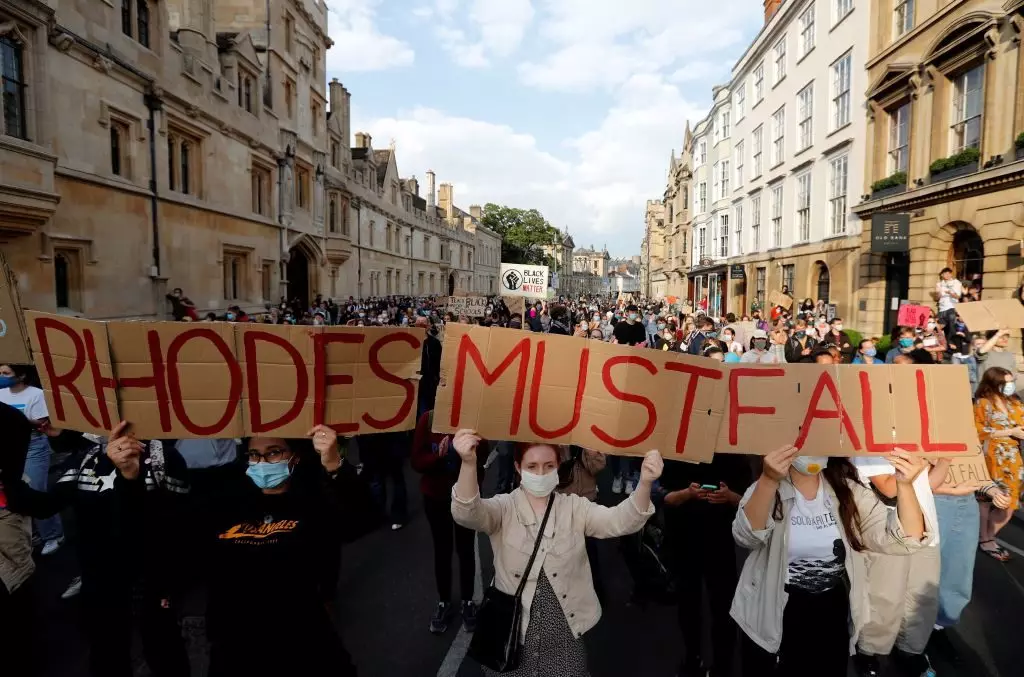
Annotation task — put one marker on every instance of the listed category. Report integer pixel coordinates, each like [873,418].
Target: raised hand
[907,467]
[325,441]
[776,463]
[124,451]
[465,443]
[652,466]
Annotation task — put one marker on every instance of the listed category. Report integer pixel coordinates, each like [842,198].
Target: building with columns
[559,254]
[148,146]
[945,147]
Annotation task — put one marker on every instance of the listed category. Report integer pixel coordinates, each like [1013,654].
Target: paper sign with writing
[777,298]
[516,304]
[913,316]
[512,385]
[969,471]
[471,306]
[986,315]
[14,347]
[521,279]
[213,379]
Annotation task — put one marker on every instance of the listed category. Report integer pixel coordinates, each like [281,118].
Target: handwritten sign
[969,470]
[471,306]
[913,316]
[524,280]
[510,385]
[986,315]
[777,298]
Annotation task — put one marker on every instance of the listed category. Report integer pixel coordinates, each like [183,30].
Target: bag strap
[536,547]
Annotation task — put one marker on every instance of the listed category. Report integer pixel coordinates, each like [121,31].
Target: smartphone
[709,487]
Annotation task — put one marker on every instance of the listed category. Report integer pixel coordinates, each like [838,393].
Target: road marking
[1018,551]
[460,645]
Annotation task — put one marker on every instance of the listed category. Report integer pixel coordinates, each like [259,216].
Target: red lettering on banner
[735,408]
[652,413]
[926,442]
[468,349]
[174,380]
[100,383]
[383,374]
[321,379]
[825,382]
[581,386]
[66,381]
[869,422]
[696,373]
[157,381]
[249,339]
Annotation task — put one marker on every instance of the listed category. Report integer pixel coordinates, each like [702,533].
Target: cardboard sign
[214,379]
[913,316]
[969,470]
[518,279]
[509,385]
[471,306]
[14,347]
[744,331]
[777,298]
[516,304]
[985,315]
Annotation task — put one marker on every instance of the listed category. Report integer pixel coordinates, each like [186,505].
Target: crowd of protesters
[836,545]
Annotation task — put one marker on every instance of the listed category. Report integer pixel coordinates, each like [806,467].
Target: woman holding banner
[808,522]
[559,603]
[275,553]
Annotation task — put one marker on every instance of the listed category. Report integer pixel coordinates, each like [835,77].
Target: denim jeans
[958,542]
[625,467]
[37,468]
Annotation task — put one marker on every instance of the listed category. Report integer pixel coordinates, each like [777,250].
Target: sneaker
[617,485]
[73,589]
[439,622]
[630,487]
[396,526]
[52,546]
[469,611]
[867,665]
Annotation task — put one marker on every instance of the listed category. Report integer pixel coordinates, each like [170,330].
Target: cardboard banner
[519,279]
[777,298]
[14,347]
[511,385]
[215,379]
[516,304]
[985,315]
[913,316]
[744,331]
[969,470]
[471,306]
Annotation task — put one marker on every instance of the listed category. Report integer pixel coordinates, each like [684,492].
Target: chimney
[476,211]
[363,140]
[431,189]
[770,7]
[446,199]
[337,95]
[413,185]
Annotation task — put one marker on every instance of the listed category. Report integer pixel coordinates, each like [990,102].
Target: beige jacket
[760,598]
[16,563]
[512,525]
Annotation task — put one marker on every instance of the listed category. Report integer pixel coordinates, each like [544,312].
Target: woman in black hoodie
[274,556]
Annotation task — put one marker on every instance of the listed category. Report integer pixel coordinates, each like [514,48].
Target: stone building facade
[670,234]
[148,146]
[559,254]
[654,248]
[943,79]
[590,270]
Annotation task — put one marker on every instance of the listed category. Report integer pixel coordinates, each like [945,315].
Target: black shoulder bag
[496,643]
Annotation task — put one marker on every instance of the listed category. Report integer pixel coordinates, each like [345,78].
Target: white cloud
[485,29]
[595,183]
[358,43]
[600,44]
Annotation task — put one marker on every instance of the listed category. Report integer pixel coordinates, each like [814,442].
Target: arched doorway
[451,284]
[824,286]
[966,256]
[298,276]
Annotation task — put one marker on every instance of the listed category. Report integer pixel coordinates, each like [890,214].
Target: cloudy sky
[568,106]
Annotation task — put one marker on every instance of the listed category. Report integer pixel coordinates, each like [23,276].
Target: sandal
[997,553]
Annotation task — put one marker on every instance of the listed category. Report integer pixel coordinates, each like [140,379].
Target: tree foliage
[523,233]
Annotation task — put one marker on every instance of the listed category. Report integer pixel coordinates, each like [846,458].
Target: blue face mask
[906,343]
[8,381]
[269,475]
[870,352]
[230,317]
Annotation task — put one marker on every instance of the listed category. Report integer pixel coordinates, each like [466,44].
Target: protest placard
[212,379]
[14,347]
[516,305]
[520,279]
[985,315]
[777,298]
[913,316]
[971,471]
[743,331]
[471,306]
[530,387]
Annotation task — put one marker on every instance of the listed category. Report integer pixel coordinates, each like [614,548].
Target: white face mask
[539,485]
[810,465]
[1009,389]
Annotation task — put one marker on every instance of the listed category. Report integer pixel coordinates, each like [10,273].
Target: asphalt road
[386,596]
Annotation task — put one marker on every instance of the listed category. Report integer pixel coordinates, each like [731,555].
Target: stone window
[738,152]
[235,263]
[737,217]
[119,144]
[968,105]
[779,59]
[184,160]
[776,215]
[899,138]
[426,249]
[267,280]
[902,17]
[289,33]
[758,143]
[758,83]
[289,98]
[841,73]
[807,31]
[419,284]
[335,154]
[245,87]
[842,8]
[761,279]
[261,190]
[314,115]
[408,245]
[387,237]
[135,20]
[332,214]
[838,174]
[372,228]
[803,207]
[67,279]
[302,188]
[13,80]
[805,116]
[788,274]
[126,17]
[779,136]
[755,222]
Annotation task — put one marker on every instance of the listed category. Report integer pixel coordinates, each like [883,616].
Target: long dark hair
[991,385]
[839,473]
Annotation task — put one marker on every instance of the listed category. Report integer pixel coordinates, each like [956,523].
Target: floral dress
[1002,454]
